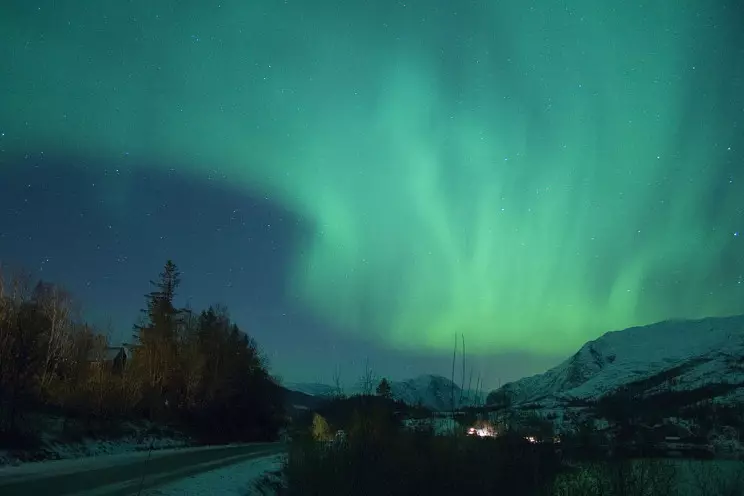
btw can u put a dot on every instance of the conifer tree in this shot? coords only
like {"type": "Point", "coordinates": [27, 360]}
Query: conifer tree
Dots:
{"type": "Point", "coordinates": [384, 389]}
{"type": "Point", "coordinates": [157, 335]}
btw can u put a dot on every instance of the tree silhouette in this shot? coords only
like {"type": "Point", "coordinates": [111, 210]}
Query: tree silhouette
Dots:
{"type": "Point", "coordinates": [157, 350]}
{"type": "Point", "coordinates": [198, 371]}
{"type": "Point", "coordinates": [384, 389]}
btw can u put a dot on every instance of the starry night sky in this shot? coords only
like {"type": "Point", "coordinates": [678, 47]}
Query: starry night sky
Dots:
{"type": "Point", "coordinates": [364, 179]}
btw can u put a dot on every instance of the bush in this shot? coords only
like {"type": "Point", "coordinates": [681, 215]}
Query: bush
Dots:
{"type": "Point", "coordinates": [320, 430]}
{"type": "Point", "coordinates": [375, 461]}
{"type": "Point", "coordinates": [714, 478]}
{"type": "Point", "coordinates": [619, 478]}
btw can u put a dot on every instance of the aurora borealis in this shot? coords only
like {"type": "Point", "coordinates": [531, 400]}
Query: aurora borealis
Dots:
{"type": "Point", "coordinates": [530, 174]}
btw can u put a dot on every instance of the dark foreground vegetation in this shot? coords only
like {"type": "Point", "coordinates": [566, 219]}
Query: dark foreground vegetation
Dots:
{"type": "Point", "coordinates": [361, 446]}
{"type": "Point", "coordinates": [193, 371]}
{"type": "Point", "coordinates": [420, 463]}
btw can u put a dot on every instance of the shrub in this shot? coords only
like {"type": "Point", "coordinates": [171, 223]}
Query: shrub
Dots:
{"type": "Point", "coordinates": [374, 461]}
{"type": "Point", "coordinates": [619, 478]}
{"type": "Point", "coordinates": [320, 429]}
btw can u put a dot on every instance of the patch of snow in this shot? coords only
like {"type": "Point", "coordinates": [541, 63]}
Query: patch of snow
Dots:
{"type": "Point", "coordinates": [234, 480]}
{"type": "Point", "coordinates": [55, 443]}
{"type": "Point", "coordinates": [97, 447]}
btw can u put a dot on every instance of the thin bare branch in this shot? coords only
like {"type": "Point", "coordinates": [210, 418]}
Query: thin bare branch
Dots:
{"type": "Point", "coordinates": [452, 378]}
{"type": "Point", "coordinates": [462, 381]}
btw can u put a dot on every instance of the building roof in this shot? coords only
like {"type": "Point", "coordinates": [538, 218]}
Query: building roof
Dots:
{"type": "Point", "coordinates": [108, 354]}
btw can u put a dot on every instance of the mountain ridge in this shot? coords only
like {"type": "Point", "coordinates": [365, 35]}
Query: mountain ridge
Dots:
{"type": "Point", "coordinates": [429, 390]}
{"type": "Point", "coordinates": [691, 354]}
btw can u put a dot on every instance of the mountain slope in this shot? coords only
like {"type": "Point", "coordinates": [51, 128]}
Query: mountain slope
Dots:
{"type": "Point", "coordinates": [432, 391]}
{"type": "Point", "coordinates": [675, 354]}
{"type": "Point", "coordinates": [297, 400]}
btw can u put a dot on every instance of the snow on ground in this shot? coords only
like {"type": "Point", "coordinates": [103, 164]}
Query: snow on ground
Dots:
{"type": "Point", "coordinates": [56, 444]}
{"type": "Point", "coordinates": [233, 480]}
{"type": "Point", "coordinates": [33, 469]}
{"type": "Point", "coordinates": [53, 451]}
{"type": "Point", "coordinates": [95, 447]}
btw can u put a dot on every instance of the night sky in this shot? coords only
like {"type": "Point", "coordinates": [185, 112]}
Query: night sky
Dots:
{"type": "Point", "coordinates": [364, 179]}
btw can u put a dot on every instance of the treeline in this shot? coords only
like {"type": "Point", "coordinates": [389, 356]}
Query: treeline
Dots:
{"type": "Point", "coordinates": [197, 371]}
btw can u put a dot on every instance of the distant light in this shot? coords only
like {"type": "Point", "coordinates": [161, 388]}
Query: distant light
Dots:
{"type": "Point", "coordinates": [482, 432]}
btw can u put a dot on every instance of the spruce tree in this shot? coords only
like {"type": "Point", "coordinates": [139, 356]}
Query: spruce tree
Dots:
{"type": "Point", "coordinates": [384, 389]}
{"type": "Point", "coordinates": [157, 335]}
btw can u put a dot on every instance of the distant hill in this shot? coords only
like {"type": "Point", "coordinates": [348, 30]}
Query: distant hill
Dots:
{"type": "Point", "coordinates": [431, 391]}
{"type": "Point", "coordinates": [297, 400]}
{"type": "Point", "coordinates": [311, 388]}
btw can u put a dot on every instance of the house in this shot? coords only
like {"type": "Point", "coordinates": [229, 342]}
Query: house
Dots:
{"type": "Point", "coordinates": [114, 358]}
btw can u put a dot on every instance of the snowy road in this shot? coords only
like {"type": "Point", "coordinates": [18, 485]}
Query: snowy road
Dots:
{"type": "Point", "coordinates": [234, 480]}
{"type": "Point", "coordinates": [127, 474]}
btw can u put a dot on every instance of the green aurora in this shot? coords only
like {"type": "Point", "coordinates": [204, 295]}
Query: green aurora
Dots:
{"type": "Point", "coordinates": [530, 174]}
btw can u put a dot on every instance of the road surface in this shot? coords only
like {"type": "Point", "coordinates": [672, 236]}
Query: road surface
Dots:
{"type": "Point", "coordinates": [131, 475]}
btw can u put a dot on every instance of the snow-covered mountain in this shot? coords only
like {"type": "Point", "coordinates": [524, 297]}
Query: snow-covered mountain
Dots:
{"type": "Point", "coordinates": [675, 355]}
{"type": "Point", "coordinates": [431, 391]}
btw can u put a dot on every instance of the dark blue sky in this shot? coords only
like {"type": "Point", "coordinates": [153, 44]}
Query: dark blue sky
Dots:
{"type": "Point", "coordinates": [365, 180]}
{"type": "Point", "coordinates": [67, 220]}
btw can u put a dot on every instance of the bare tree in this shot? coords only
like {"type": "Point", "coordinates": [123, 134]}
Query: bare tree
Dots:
{"type": "Point", "coordinates": [130, 389]}
{"type": "Point", "coordinates": [56, 305]}
{"type": "Point", "coordinates": [5, 310]}
{"type": "Point", "coordinates": [20, 287]}
{"type": "Point", "coordinates": [99, 372]}
{"type": "Point", "coordinates": [192, 361]}
{"type": "Point", "coordinates": [338, 390]}
{"type": "Point", "coordinates": [452, 379]}
{"type": "Point", "coordinates": [368, 380]}
{"type": "Point", "coordinates": [478, 390]}
{"type": "Point", "coordinates": [472, 400]}
{"type": "Point", "coordinates": [462, 381]}
{"type": "Point", "coordinates": [18, 348]}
